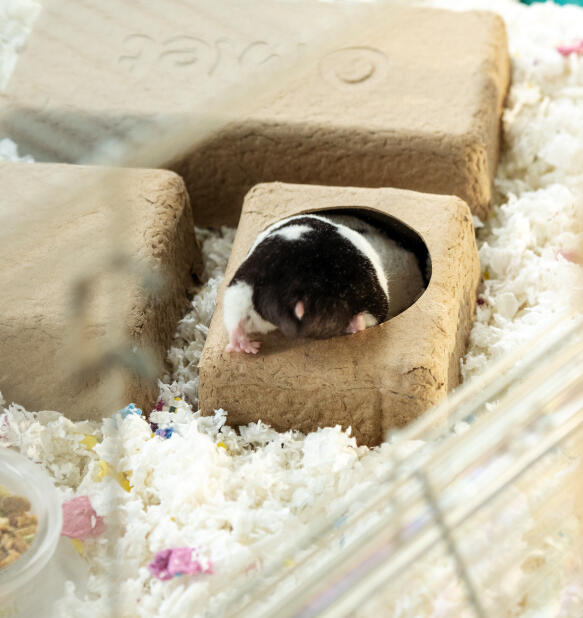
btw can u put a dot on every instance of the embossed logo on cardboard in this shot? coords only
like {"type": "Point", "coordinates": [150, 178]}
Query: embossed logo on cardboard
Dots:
{"type": "Point", "coordinates": [194, 56]}
{"type": "Point", "coordinates": [354, 67]}
{"type": "Point", "coordinates": [347, 68]}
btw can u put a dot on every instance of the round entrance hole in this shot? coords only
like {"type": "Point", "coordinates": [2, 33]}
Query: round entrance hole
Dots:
{"type": "Point", "coordinates": [414, 263]}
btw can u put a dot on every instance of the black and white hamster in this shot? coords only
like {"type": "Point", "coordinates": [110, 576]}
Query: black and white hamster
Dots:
{"type": "Point", "coordinates": [318, 276]}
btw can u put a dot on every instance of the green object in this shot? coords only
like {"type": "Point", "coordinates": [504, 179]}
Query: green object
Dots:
{"type": "Point", "coordinates": [575, 2]}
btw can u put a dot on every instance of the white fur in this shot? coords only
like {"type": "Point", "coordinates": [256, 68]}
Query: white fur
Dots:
{"type": "Point", "coordinates": [267, 231]}
{"type": "Point", "coordinates": [237, 304]}
{"type": "Point", "coordinates": [369, 319]}
{"type": "Point", "coordinates": [342, 224]}
{"type": "Point", "coordinates": [400, 266]}
{"type": "Point", "coordinates": [238, 309]}
{"type": "Point", "coordinates": [366, 248]}
{"type": "Point", "coordinates": [293, 232]}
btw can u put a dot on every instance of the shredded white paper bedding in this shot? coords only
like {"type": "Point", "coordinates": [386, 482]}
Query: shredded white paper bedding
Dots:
{"type": "Point", "coordinates": [229, 495]}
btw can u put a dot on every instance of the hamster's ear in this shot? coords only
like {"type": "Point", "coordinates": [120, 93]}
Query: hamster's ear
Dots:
{"type": "Point", "coordinates": [299, 310]}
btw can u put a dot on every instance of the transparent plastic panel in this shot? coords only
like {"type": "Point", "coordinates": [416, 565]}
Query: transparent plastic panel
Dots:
{"type": "Point", "coordinates": [103, 88]}
{"type": "Point", "coordinates": [492, 496]}
{"type": "Point", "coordinates": [136, 84]}
{"type": "Point", "coordinates": [97, 75]}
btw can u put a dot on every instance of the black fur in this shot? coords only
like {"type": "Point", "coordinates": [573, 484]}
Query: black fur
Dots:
{"type": "Point", "coordinates": [323, 269]}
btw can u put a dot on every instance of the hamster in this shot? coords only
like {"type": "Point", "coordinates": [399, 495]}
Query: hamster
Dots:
{"type": "Point", "coordinates": [316, 276]}
{"type": "Point", "coordinates": [405, 278]}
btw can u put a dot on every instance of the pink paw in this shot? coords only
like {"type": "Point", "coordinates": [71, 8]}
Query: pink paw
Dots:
{"type": "Point", "coordinates": [356, 324]}
{"type": "Point", "coordinates": [250, 347]}
{"type": "Point", "coordinates": [239, 342]}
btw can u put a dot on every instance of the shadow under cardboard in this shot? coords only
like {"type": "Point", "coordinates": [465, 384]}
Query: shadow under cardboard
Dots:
{"type": "Point", "coordinates": [275, 342]}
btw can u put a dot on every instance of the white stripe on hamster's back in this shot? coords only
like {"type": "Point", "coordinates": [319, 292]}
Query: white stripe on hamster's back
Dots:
{"type": "Point", "coordinates": [267, 231]}
{"type": "Point", "coordinates": [293, 232]}
{"type": "Point", "coordinates": [360, 242]}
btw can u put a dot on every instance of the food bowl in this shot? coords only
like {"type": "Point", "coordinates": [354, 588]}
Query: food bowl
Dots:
{"type": "Point", "coordinates": [29, 583]}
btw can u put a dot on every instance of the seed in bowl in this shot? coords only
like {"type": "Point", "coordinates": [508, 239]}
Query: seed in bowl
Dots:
{"type": "Point", "coordinates": [17, 527]}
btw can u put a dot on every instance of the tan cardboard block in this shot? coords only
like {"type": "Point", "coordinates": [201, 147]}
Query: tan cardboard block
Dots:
{"type": "Point", "coordinates": [383, 377]}
{"type": "Point", "coordinates": [386, 109]}
{"type": "Point", "coordinates": [93, 284]}
{"type": "Point", "coordinates": [98, 69]}
{"type": "Point", "coordinates": [411, 99]}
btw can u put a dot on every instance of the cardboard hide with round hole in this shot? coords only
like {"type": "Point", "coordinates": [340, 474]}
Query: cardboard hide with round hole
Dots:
{"type": "Point", "coordinates": [383, 377]}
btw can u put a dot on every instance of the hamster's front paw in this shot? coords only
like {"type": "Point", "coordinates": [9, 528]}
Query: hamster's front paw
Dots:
{"type": "Point", "coordinates": [239, 342]}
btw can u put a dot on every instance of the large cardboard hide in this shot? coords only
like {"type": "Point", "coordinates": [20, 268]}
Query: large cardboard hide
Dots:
{"type": "Point", "coordinates": [380, 105]}
{"type": "Point", "coordinates": [96, 266]}
{"type": "Point", "coordinates": [383, 377]}
{"type": "Point", "coordinates": [95, 70]}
